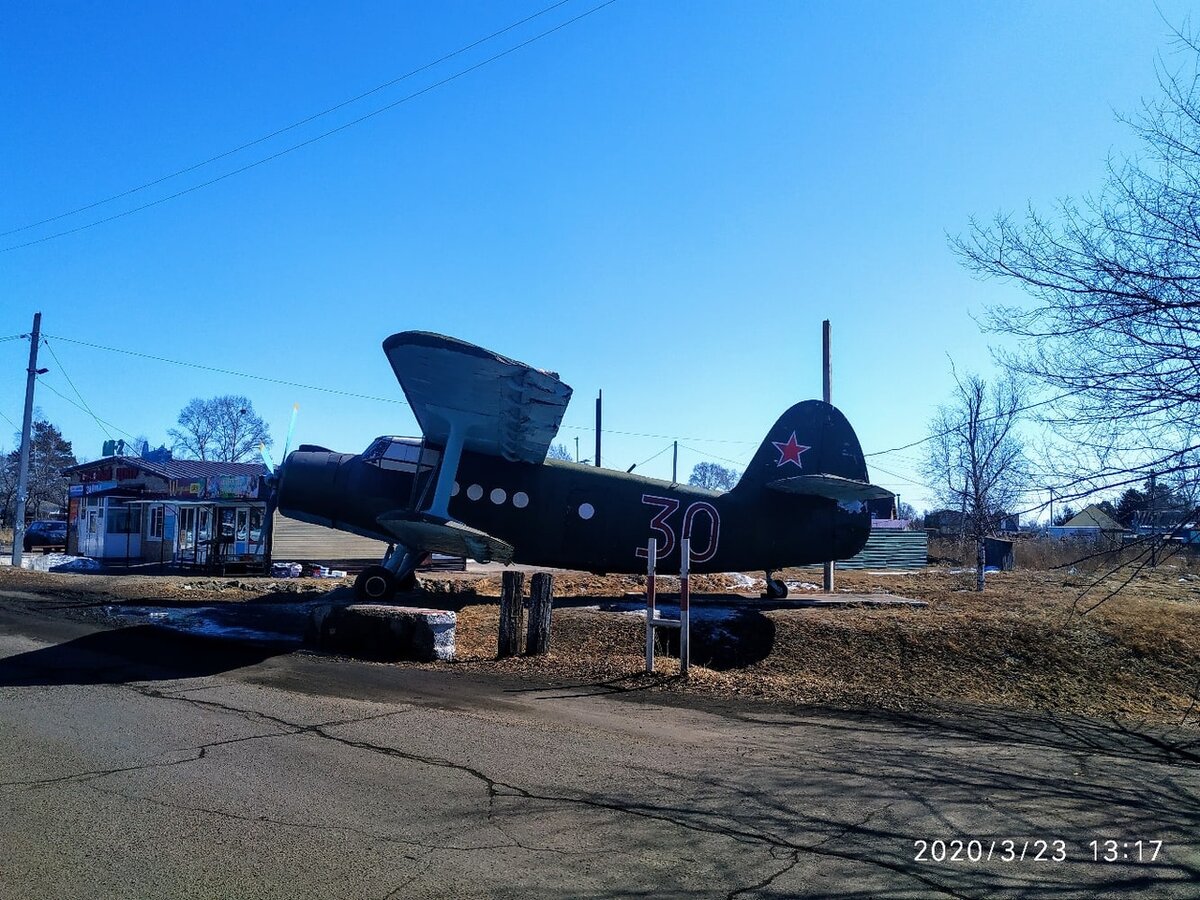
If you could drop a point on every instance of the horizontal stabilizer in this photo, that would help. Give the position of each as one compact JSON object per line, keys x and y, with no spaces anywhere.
{"x":832,"y":487}
{"x":454,"y":538}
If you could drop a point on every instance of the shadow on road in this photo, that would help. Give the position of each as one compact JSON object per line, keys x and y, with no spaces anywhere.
{"x":137,"y":653}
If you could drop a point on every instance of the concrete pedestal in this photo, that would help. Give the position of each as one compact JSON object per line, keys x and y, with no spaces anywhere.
{"x":383,"y":632}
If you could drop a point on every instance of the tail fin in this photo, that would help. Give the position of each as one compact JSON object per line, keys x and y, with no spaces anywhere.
{"x":812,"y":438}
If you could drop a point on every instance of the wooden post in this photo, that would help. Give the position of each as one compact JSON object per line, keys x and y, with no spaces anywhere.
{"x":31,"y":375}
{"x":512,"y":598}
{"x":541,"y":600}
{"x":827,"y":396}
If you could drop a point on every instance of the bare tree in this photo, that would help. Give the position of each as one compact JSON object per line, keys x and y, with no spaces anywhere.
{"x":225,"y":429}
{"x":559,"y":451}
{"x":1111,"y":326}
{"x":714,"y":477}
{"x":975,"y":462}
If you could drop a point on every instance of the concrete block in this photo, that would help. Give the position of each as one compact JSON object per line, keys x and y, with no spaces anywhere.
{"x":382,"y":632}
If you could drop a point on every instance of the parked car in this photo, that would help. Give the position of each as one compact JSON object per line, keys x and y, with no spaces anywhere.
{"x":46,"y":535}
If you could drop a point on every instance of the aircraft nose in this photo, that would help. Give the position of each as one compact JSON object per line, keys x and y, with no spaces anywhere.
{"x":308,"y":485}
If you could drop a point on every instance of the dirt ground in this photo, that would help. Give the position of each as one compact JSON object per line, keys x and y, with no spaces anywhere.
{"x":1031,"y":641}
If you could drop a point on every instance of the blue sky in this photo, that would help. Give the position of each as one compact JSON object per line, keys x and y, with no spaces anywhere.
{"x":662,"y":200}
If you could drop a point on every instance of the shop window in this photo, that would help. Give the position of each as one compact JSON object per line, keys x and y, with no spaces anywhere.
{"x":122,"y":520}
{"x":156,"y":522}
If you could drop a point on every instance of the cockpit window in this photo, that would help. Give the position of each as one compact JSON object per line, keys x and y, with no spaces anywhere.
{"x":401,"y":454}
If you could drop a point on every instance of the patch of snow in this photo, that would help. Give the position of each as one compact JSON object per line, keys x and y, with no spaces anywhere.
{"x":58,"y":562}
{"x":667,"y":611}
{"x":206,"y":621}
{"x":740,"y":579}
{"x":801,"y":586}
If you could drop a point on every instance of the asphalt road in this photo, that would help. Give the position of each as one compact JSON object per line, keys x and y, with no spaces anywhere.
{"x":137,"y":763}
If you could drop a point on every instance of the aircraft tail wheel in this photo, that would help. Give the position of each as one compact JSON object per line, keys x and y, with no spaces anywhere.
{"x":375,"y":584}
{"x":776,"y":588}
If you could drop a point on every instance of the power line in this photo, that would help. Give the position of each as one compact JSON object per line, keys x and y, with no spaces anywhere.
{"x":12,"y":337}
{"x":665,"y":437}
{"x":63,"y":369}
{"x":902,"y":478}
{"x":1019,"y":409}
{"x":10,"y":421}
{"x":655,"y":456}
{"x":48,"y":386}
{"x":294,"y":125}
{"x":713,"y":455}
{"x":319,"y":137}
{"x":193,"y":365}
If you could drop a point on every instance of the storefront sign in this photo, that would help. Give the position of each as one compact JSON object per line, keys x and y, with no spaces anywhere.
{"x":232,"y":487}
{"x":192,"y":488}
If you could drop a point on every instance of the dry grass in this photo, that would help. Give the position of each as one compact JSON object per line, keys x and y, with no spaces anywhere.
{"x":1048,"y":554}
{"x":1025,"y":643}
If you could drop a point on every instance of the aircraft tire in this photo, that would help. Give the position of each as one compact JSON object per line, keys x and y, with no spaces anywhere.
{"x":777,"y":589}
{"x":375,"y":584}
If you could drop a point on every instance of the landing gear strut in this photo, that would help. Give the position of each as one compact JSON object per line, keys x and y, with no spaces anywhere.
{"x":776,"y":588}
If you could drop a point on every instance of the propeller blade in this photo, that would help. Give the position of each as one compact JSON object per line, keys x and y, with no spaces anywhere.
{"x":291,"y":431}
{"x":265,"y":455}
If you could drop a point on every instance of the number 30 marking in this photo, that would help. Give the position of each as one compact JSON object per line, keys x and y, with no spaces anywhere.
{"x":658,"y":523}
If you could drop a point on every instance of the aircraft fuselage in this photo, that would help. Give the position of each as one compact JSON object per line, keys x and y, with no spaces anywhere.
{"x":574,"y":516}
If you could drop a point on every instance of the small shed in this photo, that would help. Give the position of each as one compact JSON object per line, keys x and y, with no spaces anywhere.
{"x":998,"y":553}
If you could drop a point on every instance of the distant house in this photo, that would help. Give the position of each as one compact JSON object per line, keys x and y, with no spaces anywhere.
{"x":1092,"y":523}
{"x":952,"y":523}
{"x":945,"y":522}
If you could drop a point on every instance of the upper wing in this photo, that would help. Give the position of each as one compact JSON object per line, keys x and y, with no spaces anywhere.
{"x":445,"y":537}
{"x":833,"y":487}
{"x":506,"y":408}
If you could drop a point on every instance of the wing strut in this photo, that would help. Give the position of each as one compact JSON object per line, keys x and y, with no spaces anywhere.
{"x":451,"y":455}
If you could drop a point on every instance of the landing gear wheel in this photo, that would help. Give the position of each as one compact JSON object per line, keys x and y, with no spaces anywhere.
{"x":776,"y":588}
{"x":375,"y":584}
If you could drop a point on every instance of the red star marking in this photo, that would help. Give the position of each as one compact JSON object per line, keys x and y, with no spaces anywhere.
{"x":790,"y":452}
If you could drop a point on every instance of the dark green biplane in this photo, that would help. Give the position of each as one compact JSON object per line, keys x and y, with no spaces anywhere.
{"x":478,"y":484}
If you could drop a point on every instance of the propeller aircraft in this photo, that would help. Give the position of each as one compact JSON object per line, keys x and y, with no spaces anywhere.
{"x":478,"y":484}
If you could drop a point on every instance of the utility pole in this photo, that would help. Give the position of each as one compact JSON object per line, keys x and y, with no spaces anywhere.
{"x":1051,"y":505}
{"x":576,"y":448}
{"x":599,"y":402}
{"x":26,"y":428}
{"x":675,"y":465}
{"x":827,"y":396}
